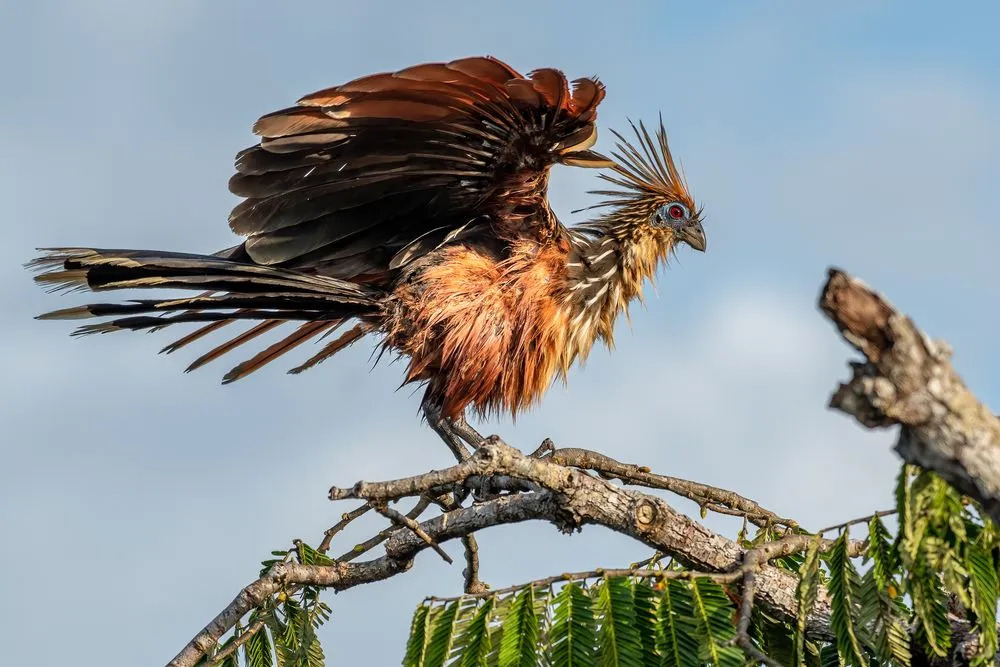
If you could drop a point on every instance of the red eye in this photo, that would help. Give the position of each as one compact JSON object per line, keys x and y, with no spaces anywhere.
{"x":676,"y":211}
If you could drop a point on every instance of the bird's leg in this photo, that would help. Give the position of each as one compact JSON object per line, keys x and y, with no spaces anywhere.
{"x":445,"y":428}
{"x":465,"y":431}
{"x":456,"y":433}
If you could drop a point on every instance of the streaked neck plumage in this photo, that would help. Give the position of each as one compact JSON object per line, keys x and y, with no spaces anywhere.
{"x":646,"y":213}
{"x":606,"y":268}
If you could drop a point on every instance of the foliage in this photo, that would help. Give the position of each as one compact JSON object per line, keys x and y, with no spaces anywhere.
{"x":897,"y":596}
{"x":621,"y":621}
{"x":281,"y":633}
{"x":573,"y":637}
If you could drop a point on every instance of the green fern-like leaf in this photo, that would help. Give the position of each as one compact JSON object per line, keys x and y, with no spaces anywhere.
{"x":299,"y":644}
{"x":844,"y":607}
{"x":775,"y":639}
{"x":984,"y":586}
{"x":287,"y":644}
{"x":646,"y":603}
{"x":475,"y":640}
{"x":467,"y":608}
{"x":805,"y":594}
{"x":714,"y":622}
{"x":442,"y":636}
{"x":419,"y":634}
{"x":942,"y":551}
{"x":678,"y":642}
{"x":573,"y":640}
{"x":619,"y":638}
{"x":883,"y":616}
{"x":930,"y":605}
{"x":882,"y":612}
{"x":918,"y":543}
{"x":309,"y":556}
{"x":319,"y":613}
{"x":519,"y":643}
{"x":257,"y":651}
{"x":829,"y":657}
{"x":945,"y":506}
{"x":885,"y":560}
{"x":501,"y":608}
{"x":275,"y":628}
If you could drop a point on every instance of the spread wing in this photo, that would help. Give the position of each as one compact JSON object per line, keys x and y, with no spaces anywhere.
{"x":360,"y":179}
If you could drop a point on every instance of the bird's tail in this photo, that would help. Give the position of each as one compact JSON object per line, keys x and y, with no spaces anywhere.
{"x":230,"y":290}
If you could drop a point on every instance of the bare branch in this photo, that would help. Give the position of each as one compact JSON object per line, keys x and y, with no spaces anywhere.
{"x":571,"y":500}
{"x":908,"y":380}
{"x":409,"y":486}
{"x":761,"y":555}
{"x":853,"y":522}
{"x":637,"y":572}
{"x":345,"y":519}
{"x":381,"y":536}
{"x":402,"y":520}
{"x":743,"y":626}
{"x":473,"y":586}
{"x":711,"y":498}
{"x":244,"y":637}
{"x":754,"y":560}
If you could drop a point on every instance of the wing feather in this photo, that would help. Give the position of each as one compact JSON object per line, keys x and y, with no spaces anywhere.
{"x":373,"y":174}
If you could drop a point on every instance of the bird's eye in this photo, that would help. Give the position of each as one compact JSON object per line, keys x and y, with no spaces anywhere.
{"x":672,"y":213}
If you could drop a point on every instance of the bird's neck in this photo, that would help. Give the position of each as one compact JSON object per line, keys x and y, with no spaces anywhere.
{"x":604,"y":272}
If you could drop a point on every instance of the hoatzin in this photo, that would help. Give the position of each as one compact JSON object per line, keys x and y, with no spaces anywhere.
{"x":414,"y":204}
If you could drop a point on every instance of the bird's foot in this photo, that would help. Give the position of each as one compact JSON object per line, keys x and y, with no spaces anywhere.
{"x":446,"y":430}
{"x":464,"y":430}
{"x":547,"y":447}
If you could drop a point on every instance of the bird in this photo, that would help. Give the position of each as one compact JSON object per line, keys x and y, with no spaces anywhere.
{"x":412,"y":206}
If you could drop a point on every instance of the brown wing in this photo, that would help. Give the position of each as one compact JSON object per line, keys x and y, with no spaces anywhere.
{"x":362,"y":178}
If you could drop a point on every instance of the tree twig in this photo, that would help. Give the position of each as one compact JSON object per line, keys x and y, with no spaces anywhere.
{"x":637,"y":572}
{"x":238,"y":642}
{"x":345,"y":519}
{"x":762,"y":555}
{"x":712,"y":498}
{"x":403,"y":520}
{"x":743,"y":625}
{"x":860,"y":519}
{"x":473,"y":585}
{"x":422,"y":504}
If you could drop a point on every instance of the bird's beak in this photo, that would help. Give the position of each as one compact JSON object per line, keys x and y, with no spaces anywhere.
{"x":694,"y":235}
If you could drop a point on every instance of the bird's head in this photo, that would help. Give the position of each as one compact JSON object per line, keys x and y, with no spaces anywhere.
{"x":652,"y":209}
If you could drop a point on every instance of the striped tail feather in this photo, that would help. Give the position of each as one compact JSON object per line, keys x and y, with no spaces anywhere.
{"x":229,"y":291}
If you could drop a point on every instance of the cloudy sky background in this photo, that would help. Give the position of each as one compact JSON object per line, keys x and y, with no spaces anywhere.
{"x":136,"y":500}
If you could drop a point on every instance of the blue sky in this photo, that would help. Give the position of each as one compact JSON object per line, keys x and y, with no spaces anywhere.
{"x":862,"y":135}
